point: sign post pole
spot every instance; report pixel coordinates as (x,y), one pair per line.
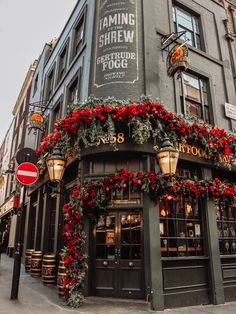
(18,249)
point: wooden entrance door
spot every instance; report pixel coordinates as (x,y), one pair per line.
(118,250)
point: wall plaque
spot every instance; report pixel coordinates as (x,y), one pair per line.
(230,111)
(116,53)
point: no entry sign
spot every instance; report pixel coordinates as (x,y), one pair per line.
(27,173)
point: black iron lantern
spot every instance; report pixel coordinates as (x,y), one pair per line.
(167,157)
(56,165)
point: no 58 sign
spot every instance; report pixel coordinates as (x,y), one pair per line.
(117,138)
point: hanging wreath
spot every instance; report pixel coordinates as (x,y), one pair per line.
(94,195)
(88,122)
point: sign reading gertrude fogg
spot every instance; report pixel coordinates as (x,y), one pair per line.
(116,55)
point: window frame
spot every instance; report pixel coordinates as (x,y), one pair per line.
(81,18)
(181,212)
(77,77)
(36,81)
(194,17)
(64,53)
(57,105)
(226,227)
(202,80)
(52,80)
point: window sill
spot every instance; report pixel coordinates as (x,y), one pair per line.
(184,258)
(228,256)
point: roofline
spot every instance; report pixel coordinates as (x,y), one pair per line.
(28,77)
(63,29)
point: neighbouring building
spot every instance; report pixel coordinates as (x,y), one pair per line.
(15,141)
(6,170)
(183,252)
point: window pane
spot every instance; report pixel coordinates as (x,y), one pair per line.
(110,166)
(180,229)
(100,251)
(192,87)
(193,109)
(97,166)
(226,227)
(134,165)
(196,25)
(188,36)
(206,113)
(184,19)
(173,12)
(198,42)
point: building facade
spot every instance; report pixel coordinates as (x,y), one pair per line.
(169,252)
(6,201)
(14,141)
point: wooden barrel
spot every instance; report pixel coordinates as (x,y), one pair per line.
(60,275)
(36,264)
(28,254)
(49,269)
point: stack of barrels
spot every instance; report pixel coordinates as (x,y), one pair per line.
(45,265)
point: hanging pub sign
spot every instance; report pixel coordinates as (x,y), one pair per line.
(36,121)
(177,59)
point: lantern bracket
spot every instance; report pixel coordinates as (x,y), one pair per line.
(171,38)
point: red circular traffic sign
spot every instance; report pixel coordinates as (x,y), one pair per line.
(27,173)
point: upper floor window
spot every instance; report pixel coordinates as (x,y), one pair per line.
(56,113)
(185,21)
(73,90)
(73,93)
(78,37)
(226,226)
(62,64)
(49,84)
(195,96)
(36,83)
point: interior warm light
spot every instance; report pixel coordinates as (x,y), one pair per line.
(163,213)
(189,208)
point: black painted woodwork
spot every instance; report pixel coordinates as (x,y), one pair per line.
(117,273)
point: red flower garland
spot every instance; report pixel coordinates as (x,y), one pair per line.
(215,140)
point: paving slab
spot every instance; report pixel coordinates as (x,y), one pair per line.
(35,298)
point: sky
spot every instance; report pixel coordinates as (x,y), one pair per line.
(25,26)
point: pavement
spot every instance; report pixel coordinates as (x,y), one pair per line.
(35,298)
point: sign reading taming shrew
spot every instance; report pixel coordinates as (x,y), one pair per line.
(116,43)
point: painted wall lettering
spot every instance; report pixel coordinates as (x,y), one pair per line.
(199,152)
(116,58)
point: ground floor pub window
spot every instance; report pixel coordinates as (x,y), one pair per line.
(180,227)
(226,226)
